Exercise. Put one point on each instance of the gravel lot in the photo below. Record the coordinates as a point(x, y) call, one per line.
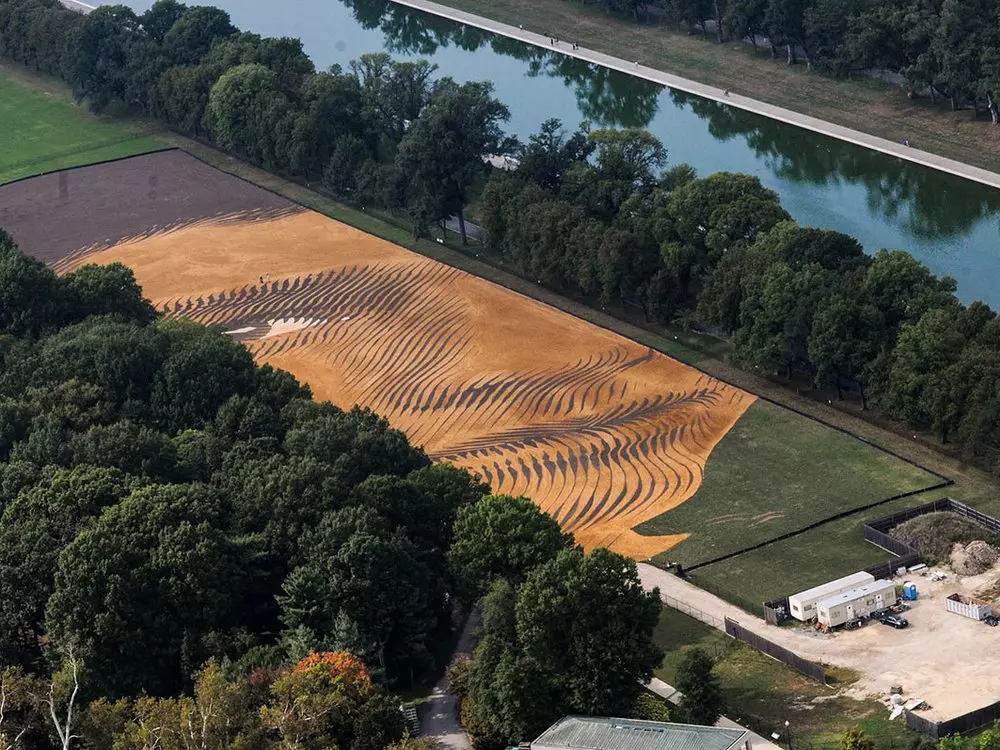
point(948, 660)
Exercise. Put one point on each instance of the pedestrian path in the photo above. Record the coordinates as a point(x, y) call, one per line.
point(672, 694)
point(636, 68)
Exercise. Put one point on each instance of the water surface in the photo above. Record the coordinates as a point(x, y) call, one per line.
point(951, 224)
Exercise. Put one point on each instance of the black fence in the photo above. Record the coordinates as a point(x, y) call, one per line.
point(888, 569)
point(981, 717)
point(808, 668)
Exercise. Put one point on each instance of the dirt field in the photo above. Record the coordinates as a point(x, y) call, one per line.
point(941, 657)
point(602, 433)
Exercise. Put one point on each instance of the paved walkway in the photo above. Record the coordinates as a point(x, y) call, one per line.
point(710, 92)
point(439, 718)
point(673, 695)
point(77, 5)
point(672, 587)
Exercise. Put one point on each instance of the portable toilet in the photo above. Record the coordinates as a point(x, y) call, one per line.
point(910, 591)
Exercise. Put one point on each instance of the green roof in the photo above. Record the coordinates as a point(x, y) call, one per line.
point(600, 733)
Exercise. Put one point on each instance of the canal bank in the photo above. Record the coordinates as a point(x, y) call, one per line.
point(637, 69)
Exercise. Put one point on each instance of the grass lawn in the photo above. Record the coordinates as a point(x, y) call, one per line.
point(40, 132)
point(775, 472)
point(862, 104)
point(763, 693)
point(830, 551)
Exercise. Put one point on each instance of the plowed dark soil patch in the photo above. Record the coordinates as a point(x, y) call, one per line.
point(76, 211)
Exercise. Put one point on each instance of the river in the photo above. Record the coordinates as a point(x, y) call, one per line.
point(949, 223)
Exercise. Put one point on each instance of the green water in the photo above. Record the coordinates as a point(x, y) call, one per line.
point(951, 224)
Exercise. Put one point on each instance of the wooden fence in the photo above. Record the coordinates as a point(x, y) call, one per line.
point(808, 668)
point(981, 717)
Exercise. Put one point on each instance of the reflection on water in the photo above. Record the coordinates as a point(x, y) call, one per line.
point(930, 204)
point(951, 224)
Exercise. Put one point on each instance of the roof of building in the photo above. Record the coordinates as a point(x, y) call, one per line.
point(854, 594)
point(602, 733)
point(832, 587)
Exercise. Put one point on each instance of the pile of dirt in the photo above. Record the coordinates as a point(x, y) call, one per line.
point(934, 534)
point(974, 558)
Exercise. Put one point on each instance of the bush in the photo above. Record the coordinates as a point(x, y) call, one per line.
point(650, 707)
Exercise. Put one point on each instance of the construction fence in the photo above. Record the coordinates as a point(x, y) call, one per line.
point(809, 668)
point(981, 717)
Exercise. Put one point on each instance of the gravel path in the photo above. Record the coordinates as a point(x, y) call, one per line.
point(710, 92)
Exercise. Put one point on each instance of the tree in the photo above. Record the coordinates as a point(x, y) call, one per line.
point(248, 113)
point(105, 290)
point(357, 444)
point(744, 19)
point(502, 537)
point(28, 297)
point(776, 320)
point(97, 55)
point(137, 591)
point(574, 617)
point(549, 154)
point(627, 161)
point(34, 528)
point(191, 36)
point(443, 152)
point(356, 568)
point(160, 18)
point(201, 370)
point(329, 700)
point(581, 615)
point(845, 339)
point(702, 697)
point(219, 715)
point(856, 739)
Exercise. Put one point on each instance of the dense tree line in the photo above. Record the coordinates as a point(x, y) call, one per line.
point(382, 133)
point(596, 214)
point(946, 48)
point(186, 535)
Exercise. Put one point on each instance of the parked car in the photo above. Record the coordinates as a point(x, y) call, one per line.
point(992, 620)
point(895, 621)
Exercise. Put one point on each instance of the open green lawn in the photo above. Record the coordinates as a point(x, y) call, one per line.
point(40, 132)
point(776, 472)
point(830, 551)
point(764, 693)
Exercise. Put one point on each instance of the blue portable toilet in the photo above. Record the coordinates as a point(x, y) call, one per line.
point(910, 591)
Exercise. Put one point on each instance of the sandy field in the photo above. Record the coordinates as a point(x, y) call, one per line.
point(602, 433)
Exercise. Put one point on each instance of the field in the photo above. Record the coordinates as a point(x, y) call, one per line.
point(775, 472)
point(601, 432)
point(41, 132)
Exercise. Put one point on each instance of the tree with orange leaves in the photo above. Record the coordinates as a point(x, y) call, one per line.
point(328, 700)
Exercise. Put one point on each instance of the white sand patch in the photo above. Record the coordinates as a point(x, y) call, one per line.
point(290, 325)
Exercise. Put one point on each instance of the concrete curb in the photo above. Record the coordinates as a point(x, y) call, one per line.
point(907, 153)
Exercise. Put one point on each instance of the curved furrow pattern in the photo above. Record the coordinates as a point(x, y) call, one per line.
point(602, 439)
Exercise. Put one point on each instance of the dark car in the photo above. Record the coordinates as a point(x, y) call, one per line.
point(991, 620)
point(896, 621)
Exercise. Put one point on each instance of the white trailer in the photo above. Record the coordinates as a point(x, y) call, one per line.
point(802, 606)
point(854, 603)
point(966, 606)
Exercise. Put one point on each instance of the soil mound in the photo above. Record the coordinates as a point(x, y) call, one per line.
point(934, 535)
point(974, 558)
